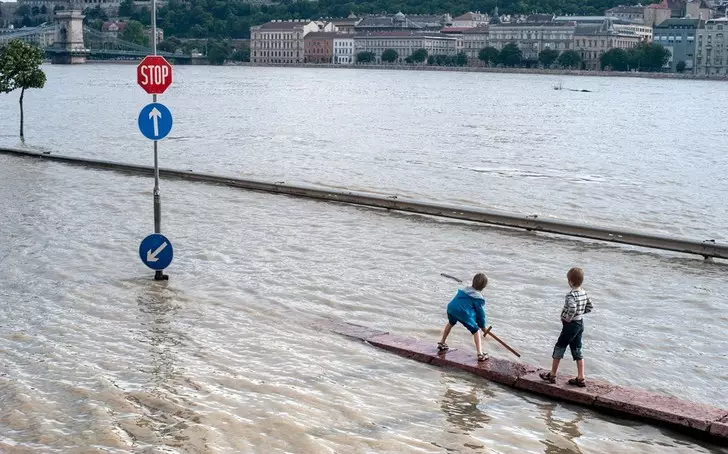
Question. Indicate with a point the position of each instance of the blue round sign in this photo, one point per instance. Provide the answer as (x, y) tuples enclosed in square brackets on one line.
[(156, 251), (155, 121)]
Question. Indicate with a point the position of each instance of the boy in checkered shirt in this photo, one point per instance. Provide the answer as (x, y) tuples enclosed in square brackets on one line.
[(577, 304)]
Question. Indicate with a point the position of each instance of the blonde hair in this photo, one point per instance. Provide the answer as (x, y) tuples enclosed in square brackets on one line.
[(480, 280), (575, 277)]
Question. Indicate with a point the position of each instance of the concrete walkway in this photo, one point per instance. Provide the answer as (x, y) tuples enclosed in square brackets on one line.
[(702, 421)]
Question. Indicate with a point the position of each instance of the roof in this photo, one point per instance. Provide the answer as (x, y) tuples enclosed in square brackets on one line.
[(661, 5), (321, 35), (108, 25), (400, 34), (411, 22), (624, 9), (477, 30), (287, 25), (678, 23), (605, 28), (470, 16), (454, 30), (534, 18)]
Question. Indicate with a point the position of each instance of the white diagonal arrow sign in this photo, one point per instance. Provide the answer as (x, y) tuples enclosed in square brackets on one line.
[(155, 115), (152, 256)]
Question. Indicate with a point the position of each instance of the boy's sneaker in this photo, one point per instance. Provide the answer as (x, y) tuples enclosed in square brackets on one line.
[(442, 347), (546, 376)]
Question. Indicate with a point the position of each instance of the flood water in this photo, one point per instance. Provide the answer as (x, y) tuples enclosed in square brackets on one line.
[(229, 354)]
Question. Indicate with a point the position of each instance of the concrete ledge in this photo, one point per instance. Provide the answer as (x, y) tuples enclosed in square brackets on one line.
[(703, 421), (562, 390), (706, 248), (720, 428), (657, 407)]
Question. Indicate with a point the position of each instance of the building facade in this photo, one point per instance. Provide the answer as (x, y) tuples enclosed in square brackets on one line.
[(712, 47), (679, 37), (318, 47), (400, 22), (344, 50), (592, 41), (630, 13), (281, 41), (474, 40), (405, 44), (532, 38)]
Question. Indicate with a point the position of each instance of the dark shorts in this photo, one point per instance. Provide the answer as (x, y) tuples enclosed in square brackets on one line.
[(570, 337), (453, 320)]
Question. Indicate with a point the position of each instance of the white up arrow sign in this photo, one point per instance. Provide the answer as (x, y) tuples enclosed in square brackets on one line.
[(155, 115), (152, 256)]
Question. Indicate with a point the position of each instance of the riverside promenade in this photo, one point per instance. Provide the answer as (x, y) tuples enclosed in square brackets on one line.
[(699, 420)]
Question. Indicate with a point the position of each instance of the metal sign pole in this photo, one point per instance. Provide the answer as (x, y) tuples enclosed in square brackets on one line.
[(159, 274)]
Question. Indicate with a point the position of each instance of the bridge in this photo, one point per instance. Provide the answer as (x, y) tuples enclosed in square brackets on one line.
[(67, 41)]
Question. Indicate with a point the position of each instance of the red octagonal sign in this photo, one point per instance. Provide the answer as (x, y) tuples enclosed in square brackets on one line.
[(154, 74)]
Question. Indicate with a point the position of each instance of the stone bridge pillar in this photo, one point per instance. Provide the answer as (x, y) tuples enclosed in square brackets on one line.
[(69, 47)]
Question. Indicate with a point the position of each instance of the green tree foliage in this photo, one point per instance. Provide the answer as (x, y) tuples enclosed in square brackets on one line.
[(489, 55), (134, 32), (680, 67), (126, 8), (648, 57), (23, 10), (44, 10), (170, 45), (569, 59), (390, 56), (242, 54), (615, 60), (547, 57), (461, 59), (418, 56), (510, 55), (20, 69), (233, 18), (218, 51), (365, 57)]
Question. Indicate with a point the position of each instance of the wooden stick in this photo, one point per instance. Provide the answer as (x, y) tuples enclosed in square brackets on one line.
[(451, 277), (488, 331)]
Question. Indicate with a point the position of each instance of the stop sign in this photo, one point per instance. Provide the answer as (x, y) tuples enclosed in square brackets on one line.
[(154, 74)]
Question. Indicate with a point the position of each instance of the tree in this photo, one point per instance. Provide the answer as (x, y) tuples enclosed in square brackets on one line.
[(431, 60), (364, 57), (615, 59), (489, 55), (134, 33), (126, 8), (23, 10), (43, 10), (390, 56), (20, 68), (548, 57), (169, 45), (461, 59), (569, 59), (510, 55), (648, 57), (680, 67), (241, 55), (418, 56), (218, 51)]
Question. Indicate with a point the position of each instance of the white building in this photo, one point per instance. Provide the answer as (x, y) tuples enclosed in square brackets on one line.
[(470, 20), (641, 30), (405, 43), (344, 50), (712, 47), (474, 40), (282, 41)]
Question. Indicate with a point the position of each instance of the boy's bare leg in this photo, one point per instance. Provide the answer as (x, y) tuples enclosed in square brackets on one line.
[(555, 367), (476, 338), (580, 369), (446, 332)]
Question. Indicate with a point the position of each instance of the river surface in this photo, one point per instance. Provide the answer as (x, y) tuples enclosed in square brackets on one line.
[(229, 356)]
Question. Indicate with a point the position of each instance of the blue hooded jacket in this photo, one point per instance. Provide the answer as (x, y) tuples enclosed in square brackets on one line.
[(468, 308)]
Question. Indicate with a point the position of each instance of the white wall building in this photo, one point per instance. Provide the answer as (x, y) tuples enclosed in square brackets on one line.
[(344, 50), (405, 43)]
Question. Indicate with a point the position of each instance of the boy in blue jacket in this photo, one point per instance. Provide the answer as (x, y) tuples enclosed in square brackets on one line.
[(468, 308)]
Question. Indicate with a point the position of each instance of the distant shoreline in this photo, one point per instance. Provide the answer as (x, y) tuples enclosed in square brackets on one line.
[(468, 69), (477, 69)]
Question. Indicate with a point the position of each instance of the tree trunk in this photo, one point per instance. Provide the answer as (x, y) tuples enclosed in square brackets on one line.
[(22, 92)]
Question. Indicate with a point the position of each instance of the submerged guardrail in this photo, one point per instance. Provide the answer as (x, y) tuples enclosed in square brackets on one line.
[(707, 248)]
